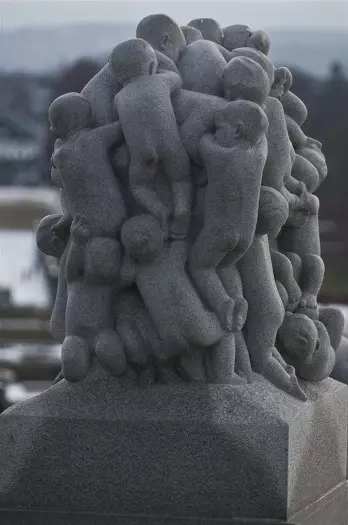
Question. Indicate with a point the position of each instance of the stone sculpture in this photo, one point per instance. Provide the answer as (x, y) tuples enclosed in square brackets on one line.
[(189, 269), (189, 244)]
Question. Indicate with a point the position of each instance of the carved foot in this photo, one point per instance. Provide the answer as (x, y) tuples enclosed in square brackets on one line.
[(76, 358), (309, 306)]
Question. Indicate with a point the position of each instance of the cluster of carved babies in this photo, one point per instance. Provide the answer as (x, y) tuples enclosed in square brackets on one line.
[(189, 242)]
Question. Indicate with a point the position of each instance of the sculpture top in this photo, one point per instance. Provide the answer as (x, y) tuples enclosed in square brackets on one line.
[(189, 244)]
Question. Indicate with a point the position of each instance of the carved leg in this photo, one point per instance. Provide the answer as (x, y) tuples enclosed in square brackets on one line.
[(296, 263), (311, 280), (110, 352), (207, 253), (283, 272), (265, 316), (222, 362), (76, 358)]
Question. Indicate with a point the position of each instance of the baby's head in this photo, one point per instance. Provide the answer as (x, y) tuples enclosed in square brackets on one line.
[(241, 36), (132, 59), (210, 29), (243, 78), (298, 336), (68, 114), (191, 34), (50, 242), (142, 237), (240, 120), (282, 82), (266, 64), (163, 34)]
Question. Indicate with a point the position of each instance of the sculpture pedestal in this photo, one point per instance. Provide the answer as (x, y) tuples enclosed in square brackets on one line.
[(214, 451)]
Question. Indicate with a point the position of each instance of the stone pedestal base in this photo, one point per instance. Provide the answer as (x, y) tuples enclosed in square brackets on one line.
[(215, 452)]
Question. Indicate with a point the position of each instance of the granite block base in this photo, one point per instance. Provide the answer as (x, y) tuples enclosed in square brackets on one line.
[(184, 452)]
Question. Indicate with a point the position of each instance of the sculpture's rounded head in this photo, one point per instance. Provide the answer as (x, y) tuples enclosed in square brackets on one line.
[(324, 356), (191, 34), (243, 78), (142, 237), (240, 120), (69, 113), (241, 36), (163, 33), (298, 336), (210, 29), (132, 59), (312, 152), (282, 82), (49, 242), (266, 64)]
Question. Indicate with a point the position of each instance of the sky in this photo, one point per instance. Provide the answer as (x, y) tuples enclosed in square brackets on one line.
[(314, 14)]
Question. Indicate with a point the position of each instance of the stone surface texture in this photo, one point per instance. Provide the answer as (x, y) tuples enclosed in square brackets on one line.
[(195, 355), (184, 172), (194, 451)]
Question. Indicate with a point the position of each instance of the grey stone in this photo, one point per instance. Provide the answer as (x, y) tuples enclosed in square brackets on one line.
[(29, 517), (210, 29), (330, 509), (293, 106), (82, 154), (256, 55), (100, 92), (264, 303), (340, 370), (179, 317), (245, 79), (145, 101), (241, 36), (163, 34), (305, 344), (282, 83), (173, 450), (228, 229), (55, 242), (201, 67), (191, 34), (165, 137)]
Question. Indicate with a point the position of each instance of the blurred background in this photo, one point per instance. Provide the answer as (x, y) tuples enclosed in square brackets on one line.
[(48, 48)]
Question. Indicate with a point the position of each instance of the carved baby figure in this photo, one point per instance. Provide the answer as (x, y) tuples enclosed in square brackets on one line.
[(236, 36), (200, 63), (158, 269), (54, 241), (245, 78), (195, 112), (234, 158), (148, 123), (210, 29), (300, 234), (92, 263), (305, 344), (265, 316)]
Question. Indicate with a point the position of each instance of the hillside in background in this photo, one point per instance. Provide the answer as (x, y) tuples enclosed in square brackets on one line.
[(38, 50)]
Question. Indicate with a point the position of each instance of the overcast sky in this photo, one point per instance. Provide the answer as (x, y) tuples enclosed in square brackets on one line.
[(256, 13)]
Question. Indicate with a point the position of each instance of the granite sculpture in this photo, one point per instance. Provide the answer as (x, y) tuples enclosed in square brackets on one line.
[(187, 188), (195, 357)]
